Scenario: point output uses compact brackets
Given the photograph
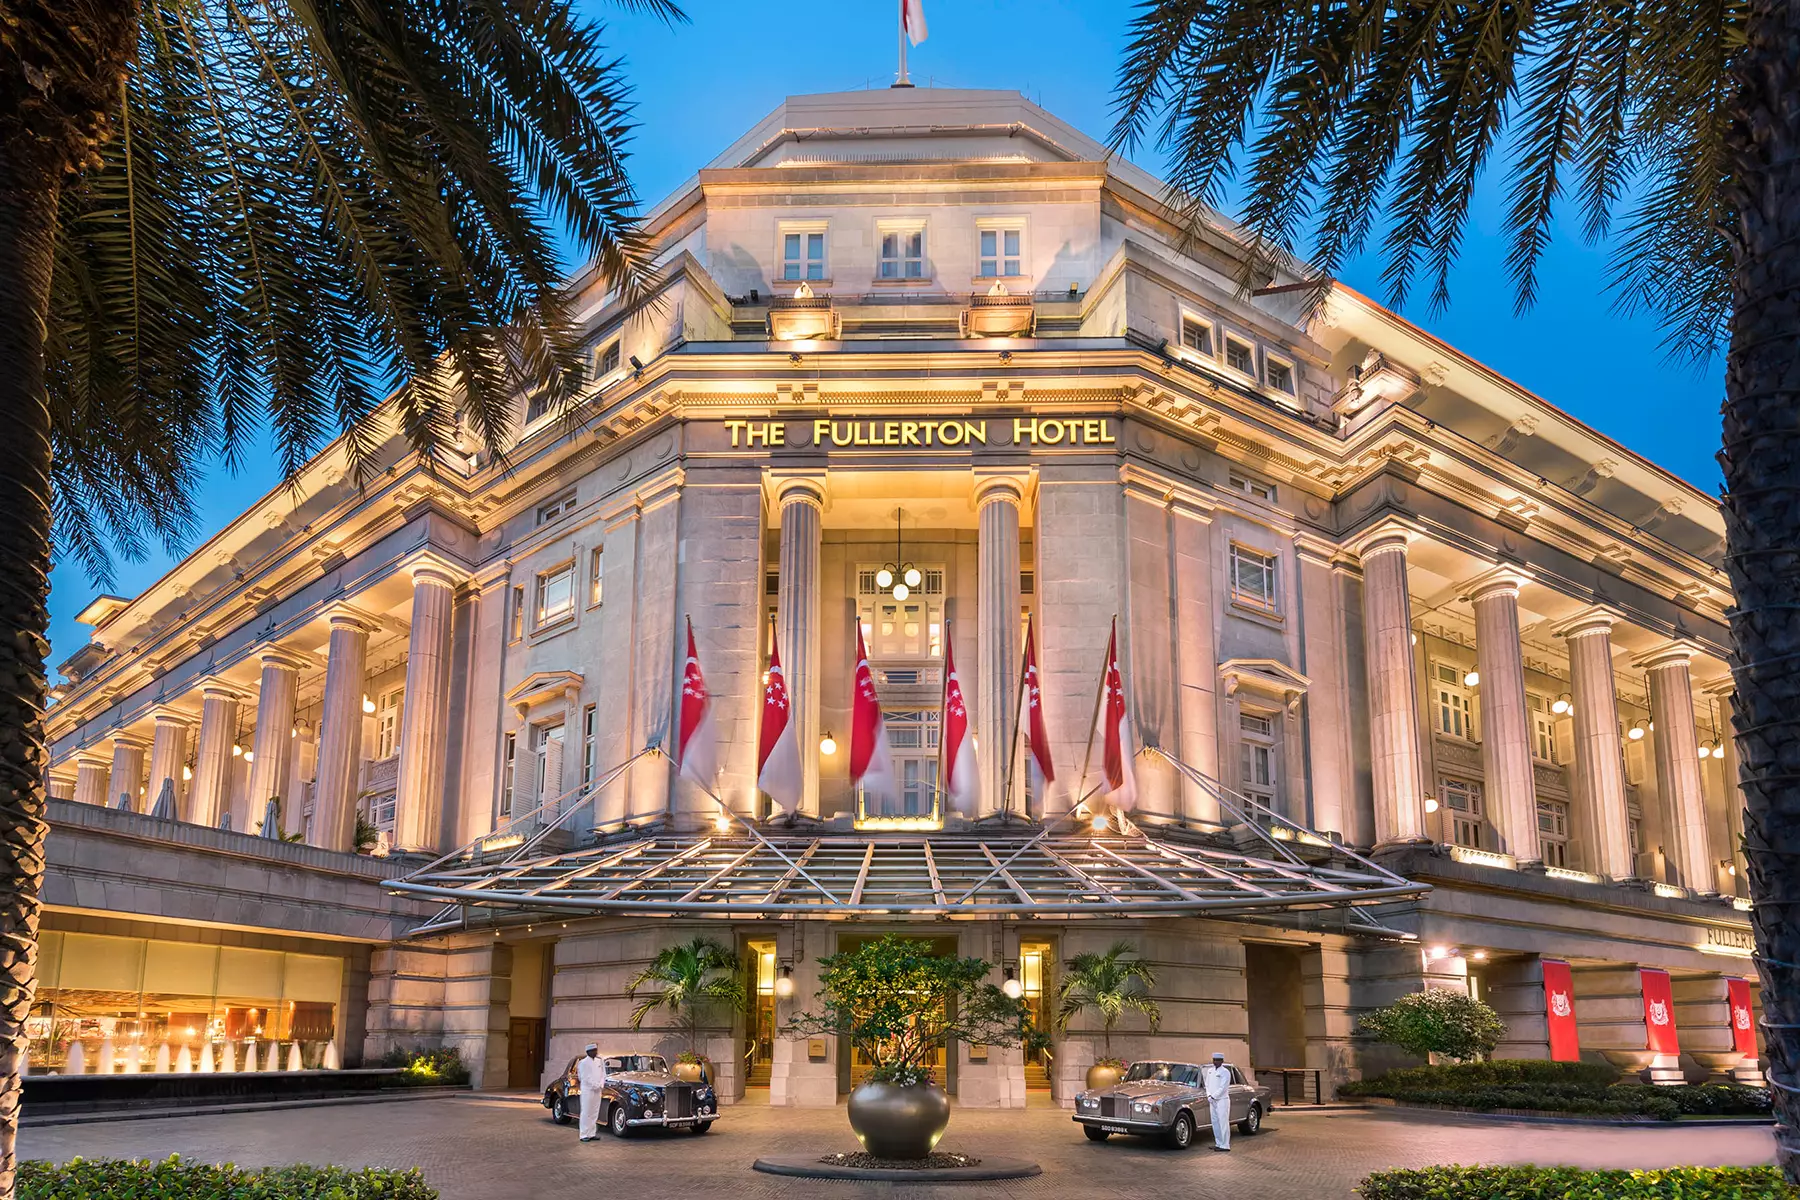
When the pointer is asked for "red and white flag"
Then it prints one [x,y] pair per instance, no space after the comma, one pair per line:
[1121,787]
[698,749]
[912,20]
[870,763]
[956,747]
[778,750]
[1037,738]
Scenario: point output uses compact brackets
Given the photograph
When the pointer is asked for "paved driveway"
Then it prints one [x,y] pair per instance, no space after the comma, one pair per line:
[497,1149]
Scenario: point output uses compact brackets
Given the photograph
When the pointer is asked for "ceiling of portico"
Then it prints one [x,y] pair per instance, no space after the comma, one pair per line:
[930,498]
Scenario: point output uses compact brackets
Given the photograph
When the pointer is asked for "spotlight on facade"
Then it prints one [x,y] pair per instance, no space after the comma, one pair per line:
[1472,679]
[784,982]
[828,744]
[1562,704]
[1012,987]
[722,823]
[1479,956]
[1099,823]
[1437,953]
[368,705]
[1431,804]
[1637,730]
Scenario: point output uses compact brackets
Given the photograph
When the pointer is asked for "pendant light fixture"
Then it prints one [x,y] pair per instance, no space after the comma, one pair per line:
[898,577]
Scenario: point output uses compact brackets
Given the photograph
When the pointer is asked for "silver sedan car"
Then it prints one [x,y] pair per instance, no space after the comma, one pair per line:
[1165,1100]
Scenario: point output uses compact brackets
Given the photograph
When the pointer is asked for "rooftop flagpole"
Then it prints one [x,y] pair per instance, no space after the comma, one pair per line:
[900,10]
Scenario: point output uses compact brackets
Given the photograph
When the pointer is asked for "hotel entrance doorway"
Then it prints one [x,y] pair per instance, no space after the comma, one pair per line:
[852,1066]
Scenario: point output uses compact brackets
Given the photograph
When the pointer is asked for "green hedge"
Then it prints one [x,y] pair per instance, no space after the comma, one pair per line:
[1574,1088]
[1573,1183]
[427,1068]
[176,1179]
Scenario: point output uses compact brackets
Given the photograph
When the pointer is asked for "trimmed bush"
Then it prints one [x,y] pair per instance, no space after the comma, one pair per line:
[121,1179]
[428,1068]
[1573,1088]
[1573,1183]
[1437,1021]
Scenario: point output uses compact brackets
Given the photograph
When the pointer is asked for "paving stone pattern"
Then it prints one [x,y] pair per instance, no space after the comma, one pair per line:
[481,1148]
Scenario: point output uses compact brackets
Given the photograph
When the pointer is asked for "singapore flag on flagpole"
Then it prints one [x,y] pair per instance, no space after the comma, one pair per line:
[698,748]
[1037,738]
[870,763]
[1121,787]
[912,19]
[778,750]
[956,750]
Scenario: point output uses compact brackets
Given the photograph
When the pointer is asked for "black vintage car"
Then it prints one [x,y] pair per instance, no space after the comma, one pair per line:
[638,1091]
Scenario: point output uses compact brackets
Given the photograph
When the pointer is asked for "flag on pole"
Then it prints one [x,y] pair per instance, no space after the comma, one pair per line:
[1121,787]
[778,751]
[912,20]
[1037,738]
[870,763]
[698,748]
[956,744]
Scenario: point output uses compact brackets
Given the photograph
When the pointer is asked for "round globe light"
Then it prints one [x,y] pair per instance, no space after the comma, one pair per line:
[913,577]
[884,579]
[901,591]
[1013,989]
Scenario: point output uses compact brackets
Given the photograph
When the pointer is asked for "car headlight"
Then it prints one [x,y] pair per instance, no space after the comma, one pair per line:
[1144,1108]
[1088,1101]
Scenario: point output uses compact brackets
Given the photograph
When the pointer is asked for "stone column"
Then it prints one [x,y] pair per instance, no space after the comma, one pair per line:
[1505,721]
[168,755]
[1599,774]
[1393,695]
[1725,692]
[340,734]
[997,500]
[212,757]
[91,768]
[273,746]
[127,774]
[802,501]
[425,720]
[1676,743]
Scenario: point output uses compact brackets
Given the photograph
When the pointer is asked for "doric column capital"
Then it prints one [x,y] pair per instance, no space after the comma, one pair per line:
[1723,688]
[1388,534]
[798,487]
[282,657]
[1503,580]
[1000,486]
[1596,618]
[1671,654]
[344,616]
[164,715]
[130,741]
[431,566]
[218,689]
[97,757]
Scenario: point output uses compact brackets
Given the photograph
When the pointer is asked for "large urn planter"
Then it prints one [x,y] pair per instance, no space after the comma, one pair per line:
[892,1120]
[692,1072]
[1629,1062]
[1104,1075]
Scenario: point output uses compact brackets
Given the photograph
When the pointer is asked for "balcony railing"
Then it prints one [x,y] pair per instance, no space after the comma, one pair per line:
[998,313]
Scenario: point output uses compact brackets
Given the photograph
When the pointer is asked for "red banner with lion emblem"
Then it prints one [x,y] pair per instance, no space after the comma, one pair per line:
[1743,1025]
[1559,1011]
[1659,1011]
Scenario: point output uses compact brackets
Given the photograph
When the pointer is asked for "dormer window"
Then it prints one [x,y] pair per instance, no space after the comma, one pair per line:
[803,253]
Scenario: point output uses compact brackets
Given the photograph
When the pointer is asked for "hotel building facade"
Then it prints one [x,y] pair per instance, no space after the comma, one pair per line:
[1470,652]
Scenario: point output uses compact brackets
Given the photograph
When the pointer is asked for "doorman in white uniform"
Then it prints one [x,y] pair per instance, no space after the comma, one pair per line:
[1217,1081]
[591,1073]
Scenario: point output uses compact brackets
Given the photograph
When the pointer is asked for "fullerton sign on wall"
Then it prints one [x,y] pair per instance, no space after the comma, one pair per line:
[836,433]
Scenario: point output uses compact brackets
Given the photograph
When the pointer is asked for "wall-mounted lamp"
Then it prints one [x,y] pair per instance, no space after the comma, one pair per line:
[1012,987]
[1431,804]
[784,982]
[1472,679]
[636,366]
[828,744]
[368,704]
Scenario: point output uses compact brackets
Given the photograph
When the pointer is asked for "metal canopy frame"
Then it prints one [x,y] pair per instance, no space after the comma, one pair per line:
[993,873]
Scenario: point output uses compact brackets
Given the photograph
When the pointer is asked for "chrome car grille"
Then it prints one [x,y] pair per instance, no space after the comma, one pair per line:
[678,1101]
[1112,1106]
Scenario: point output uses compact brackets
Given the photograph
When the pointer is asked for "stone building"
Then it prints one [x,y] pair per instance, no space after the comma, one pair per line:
[1425,673]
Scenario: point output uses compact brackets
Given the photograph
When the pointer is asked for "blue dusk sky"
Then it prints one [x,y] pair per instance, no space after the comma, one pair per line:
[699,86]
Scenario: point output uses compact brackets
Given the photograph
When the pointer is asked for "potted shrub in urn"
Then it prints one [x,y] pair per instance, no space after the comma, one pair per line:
[900,1003]
[682,979]
[1106,985]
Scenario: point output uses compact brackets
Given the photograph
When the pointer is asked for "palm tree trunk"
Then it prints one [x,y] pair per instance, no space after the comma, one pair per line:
[1761,459]
[27,235]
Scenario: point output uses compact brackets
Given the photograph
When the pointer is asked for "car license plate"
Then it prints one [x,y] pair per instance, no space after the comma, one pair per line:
[1114,1129]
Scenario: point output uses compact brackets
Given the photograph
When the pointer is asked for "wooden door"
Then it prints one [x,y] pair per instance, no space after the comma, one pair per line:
[525,1052]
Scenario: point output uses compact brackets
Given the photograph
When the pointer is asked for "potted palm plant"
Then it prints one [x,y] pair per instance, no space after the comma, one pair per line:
[682,979]
[900,1003]
[1106,985]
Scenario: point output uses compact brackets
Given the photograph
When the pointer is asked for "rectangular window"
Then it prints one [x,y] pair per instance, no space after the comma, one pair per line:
[1196,335]
[1240,356]
[559,507]
[902,629]
[1462,797]
[509,753]
[1253,578]
[1253,487]
[1278,374]
[1543,729]
[1258,774]
[589,727]
[537,406]
[913,742]
[803,254]
[555,594]
[902,253]
[518,613]
[1000,255]
[1553,832]
[387,723]
[609,359]
[596,575]
[772,584]
[1451,703]
[547,745]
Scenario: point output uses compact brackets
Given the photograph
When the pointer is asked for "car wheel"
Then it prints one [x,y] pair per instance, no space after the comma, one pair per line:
[559,1110]
[1095,1135]
[1181,1134]
[1252,1121]
[702,1126]
[616,1122]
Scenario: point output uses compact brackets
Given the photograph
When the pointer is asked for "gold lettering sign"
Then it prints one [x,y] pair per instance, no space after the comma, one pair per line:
[1726,939]
[840,433]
